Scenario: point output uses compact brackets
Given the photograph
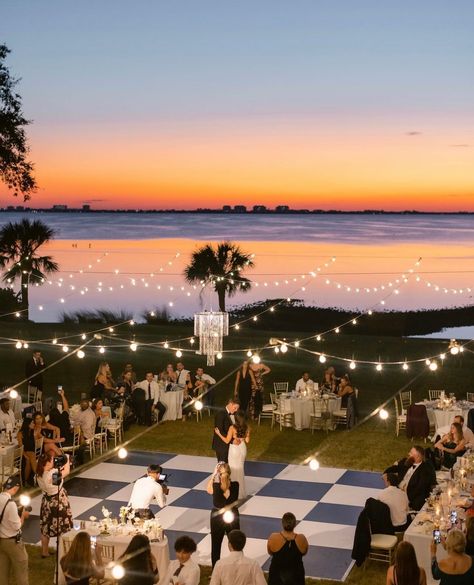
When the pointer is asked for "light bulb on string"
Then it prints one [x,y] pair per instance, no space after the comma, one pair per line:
[256,358]
[179,353]
[166,345]
[133,346]
[18,344]
[442,356]
[65,348]
[219,355]
[405,366]
[322,358]
[352,365]
[378,367]
[383,414]
[276,349]
[313,464]
[80,354]
[249,354]
[433,366]
[101,349]
[283,348]
[54,342]
[13,394]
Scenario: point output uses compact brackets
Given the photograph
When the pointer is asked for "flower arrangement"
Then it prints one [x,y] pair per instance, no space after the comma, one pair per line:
[123,513]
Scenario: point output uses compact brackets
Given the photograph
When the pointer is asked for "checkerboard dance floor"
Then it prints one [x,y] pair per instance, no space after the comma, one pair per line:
[326,504]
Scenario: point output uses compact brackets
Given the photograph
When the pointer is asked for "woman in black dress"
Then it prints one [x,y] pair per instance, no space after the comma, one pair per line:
[287,550]
[244,381]
[225,493]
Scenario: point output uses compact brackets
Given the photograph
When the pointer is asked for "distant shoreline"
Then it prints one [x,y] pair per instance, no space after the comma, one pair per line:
[21,209]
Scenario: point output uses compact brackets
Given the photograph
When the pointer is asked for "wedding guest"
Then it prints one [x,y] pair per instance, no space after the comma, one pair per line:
[419,479]
[458,567]
[405,569]
[152,398]
[129,369]
[304,384]
[466,431]
[7,416]
[100,415]
[257,396]
[244,382]
[204,386]
[34,371]
[86,420]
[52,439]
[330,382]
[225,493]
[169,378]
[236,568]
[184,569]
[59,417]
[104,384]
[452,445]
[78,564]
[190,392]
[397,501]
[26,437]
[55,513]
[181,375]
[139,562]
[126,385]
[345,390]
[287,550]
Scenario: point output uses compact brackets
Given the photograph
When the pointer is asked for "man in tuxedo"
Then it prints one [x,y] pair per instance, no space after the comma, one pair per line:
[223,421]
[419,479]
[34,370]
[149,399]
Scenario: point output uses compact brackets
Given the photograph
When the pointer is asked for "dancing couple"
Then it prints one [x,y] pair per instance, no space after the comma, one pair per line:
[231,436]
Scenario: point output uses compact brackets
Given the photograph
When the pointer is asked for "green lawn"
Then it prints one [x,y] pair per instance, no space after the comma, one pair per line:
[370,446]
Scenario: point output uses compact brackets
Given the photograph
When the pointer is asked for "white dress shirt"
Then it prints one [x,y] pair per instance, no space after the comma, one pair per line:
[7,418]
[86,419]
[237,569]
[397,500]
[45,483]
[207,379]
[155,389]
[11,522]
[466,431]
[145,490]
[303,385]
[181,377]
[406,480]
[190,574]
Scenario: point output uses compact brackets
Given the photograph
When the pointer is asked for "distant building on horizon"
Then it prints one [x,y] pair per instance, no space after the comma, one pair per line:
[240,209]
[59,207]
[86,207]
[282,208]
[259,208]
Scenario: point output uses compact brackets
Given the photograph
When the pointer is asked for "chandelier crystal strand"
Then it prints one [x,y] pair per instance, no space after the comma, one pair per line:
[211,327]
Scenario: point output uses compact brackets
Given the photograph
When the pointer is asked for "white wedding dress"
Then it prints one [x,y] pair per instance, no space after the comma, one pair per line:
[237,455]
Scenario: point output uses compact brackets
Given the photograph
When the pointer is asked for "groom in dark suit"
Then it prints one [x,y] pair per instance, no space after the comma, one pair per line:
[223,421]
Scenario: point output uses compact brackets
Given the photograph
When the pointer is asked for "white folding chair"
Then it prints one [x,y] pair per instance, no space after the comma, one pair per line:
[38,447]
[405,400]
[435,394]
[268,409]
[32,394]
[285,418]
[400,419]
[75,442]
[280,387]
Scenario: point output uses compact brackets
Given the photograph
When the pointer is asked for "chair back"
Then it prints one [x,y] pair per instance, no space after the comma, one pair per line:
[418,424]
[280,387]
[434,394]
[470,396]
[405,399]
[106,552]
[32,393]
[397,412]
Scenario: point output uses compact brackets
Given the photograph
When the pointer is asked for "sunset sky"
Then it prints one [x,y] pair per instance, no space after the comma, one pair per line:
[331,104]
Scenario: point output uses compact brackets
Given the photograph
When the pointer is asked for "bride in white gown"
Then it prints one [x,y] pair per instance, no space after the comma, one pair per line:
[238,437]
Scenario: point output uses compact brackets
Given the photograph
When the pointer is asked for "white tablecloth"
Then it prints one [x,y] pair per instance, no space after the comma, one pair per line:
[6,451]
[160,550]
[303,408]
[441,418]
[420,537]
[173,402]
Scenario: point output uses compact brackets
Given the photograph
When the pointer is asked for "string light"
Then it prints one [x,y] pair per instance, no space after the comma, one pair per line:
[80,354]
[179,353]
[314,464]
[122,453]
[383,414]
[133,346]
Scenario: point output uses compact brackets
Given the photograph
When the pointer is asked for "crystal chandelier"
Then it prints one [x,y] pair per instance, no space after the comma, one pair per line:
[210,327]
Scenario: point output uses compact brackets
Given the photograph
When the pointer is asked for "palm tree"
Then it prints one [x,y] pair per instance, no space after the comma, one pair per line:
[222,267]
[19,243]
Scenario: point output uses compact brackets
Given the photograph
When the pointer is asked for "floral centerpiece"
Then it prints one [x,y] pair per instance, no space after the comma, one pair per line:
[123,514]
[107,521]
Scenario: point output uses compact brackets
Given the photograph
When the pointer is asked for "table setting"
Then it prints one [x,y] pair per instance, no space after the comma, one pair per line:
[442,410]
[118,531]
[301,404]
[446,508]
